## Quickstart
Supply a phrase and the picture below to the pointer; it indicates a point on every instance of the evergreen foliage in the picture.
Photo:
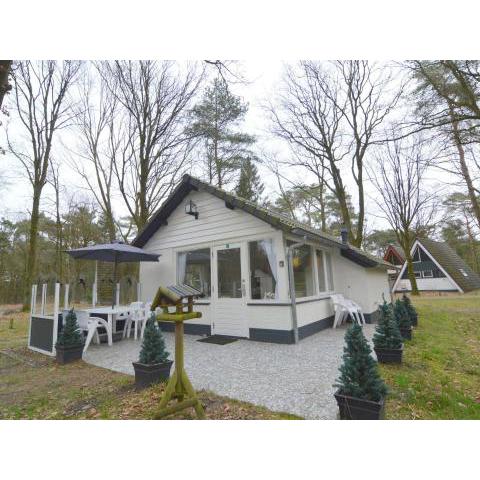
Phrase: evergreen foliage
(153, 345)
(216, 120)
(387, 334)
(249, 184)
(70, 334)
(359, 375)
(401, 315)
(410, 309)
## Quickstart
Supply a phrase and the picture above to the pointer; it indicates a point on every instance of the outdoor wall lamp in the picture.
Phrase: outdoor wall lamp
(191, 209)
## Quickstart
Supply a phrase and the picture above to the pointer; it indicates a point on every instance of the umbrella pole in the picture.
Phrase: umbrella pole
(114, 295)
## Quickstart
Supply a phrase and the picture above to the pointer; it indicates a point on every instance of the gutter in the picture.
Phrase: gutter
(291, 286)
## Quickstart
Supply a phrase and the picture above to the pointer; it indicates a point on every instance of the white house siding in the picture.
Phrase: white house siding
(310, 312)
(362, 285)
(428, 284)
(217, 225)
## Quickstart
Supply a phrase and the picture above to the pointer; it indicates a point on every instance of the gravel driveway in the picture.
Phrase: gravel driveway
(289, 378)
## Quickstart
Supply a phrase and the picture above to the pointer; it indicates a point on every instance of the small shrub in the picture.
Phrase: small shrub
(70, 334)
(401, 315)
(410, 309)
(387, 334)
(359, 375)
(153, 345)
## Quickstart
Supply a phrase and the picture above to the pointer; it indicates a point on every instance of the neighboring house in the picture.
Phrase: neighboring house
(438, 268)
(394, 255)
(235, 252)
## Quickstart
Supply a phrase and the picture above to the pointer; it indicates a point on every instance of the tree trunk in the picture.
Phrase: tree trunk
(464, 167)
(411, 273)
(31, 268)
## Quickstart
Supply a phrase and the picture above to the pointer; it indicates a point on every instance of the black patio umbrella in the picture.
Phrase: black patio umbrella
(116, 252)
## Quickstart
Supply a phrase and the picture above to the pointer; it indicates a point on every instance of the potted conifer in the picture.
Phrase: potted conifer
(403, 319)
(361, 391)
(69, 346)
(387, 339)
(407, 303)
(153, 365)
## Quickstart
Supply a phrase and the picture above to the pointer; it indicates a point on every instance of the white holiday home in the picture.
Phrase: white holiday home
(235, 252)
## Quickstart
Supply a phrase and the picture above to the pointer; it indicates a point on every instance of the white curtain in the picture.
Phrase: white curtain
(181, 266)
(267, 246)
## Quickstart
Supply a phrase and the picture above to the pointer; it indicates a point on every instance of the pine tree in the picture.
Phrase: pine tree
(153, 345)
(401, 315)
(216, 120)
(359, 375)
(70, 334)
(387, 334)
(249, 184)
(410, 309)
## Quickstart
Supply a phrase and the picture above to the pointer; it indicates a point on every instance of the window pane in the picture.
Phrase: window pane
(303, 271)
(229, 273)
(263, 269)
(328, 261)
(193, 268)
(322, 285)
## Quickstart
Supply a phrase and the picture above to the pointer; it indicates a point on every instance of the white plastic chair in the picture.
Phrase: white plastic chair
(147, 314)
(90, 324)
(137, 317)
(344, 308)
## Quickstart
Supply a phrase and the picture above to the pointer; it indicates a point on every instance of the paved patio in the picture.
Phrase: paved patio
(289, 378)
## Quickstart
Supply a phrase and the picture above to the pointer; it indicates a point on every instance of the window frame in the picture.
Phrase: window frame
(177, 251)
(328, 281)
(249, 296)
(427, 276)
(314, 270)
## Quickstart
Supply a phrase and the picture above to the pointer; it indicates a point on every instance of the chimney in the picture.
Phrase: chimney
(344, 235)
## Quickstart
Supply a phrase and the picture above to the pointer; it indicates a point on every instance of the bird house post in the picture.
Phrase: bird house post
(179, 386)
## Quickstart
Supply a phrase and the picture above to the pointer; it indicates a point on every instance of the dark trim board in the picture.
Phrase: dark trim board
(286, 336)
(190, 328)
(269, 335)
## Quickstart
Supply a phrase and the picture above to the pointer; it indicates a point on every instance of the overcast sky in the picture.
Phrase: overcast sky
(263, 79)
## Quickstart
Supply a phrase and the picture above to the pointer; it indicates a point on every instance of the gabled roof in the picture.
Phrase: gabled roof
(453, 264)
(397, 250)
(277, 220)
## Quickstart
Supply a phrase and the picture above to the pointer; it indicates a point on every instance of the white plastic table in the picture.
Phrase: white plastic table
(111, 312)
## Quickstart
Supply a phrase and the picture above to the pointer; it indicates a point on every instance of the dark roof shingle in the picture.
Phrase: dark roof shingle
(453, 264)
(275, 219)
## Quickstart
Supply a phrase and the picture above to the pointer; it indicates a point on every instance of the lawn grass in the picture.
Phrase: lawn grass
(439, 377)
(440, 374)
(34, 386)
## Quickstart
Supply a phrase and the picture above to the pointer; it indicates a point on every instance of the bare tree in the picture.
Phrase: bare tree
(154, 98)
(398, 175)
(448, 102)
(53, 178)
(43, 108)
(332, 112)
(100, 144)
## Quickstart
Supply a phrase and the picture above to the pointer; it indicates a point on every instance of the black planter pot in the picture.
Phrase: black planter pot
(389, 355)
(146, 375)
(414, 320)
(69, 353)
(406, 333)
(352, 408)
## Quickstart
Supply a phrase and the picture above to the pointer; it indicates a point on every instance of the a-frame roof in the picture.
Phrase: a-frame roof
(453, 264)
(396, 250)
(275, 219)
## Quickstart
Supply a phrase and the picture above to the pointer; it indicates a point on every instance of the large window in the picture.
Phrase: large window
(193, 268)
(263, 270)
(322, 274)
(324, 271)
(302, 261)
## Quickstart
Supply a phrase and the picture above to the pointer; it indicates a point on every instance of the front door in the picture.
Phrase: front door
(229, 292)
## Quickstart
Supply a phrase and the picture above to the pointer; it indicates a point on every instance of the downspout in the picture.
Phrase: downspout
(291, 286)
